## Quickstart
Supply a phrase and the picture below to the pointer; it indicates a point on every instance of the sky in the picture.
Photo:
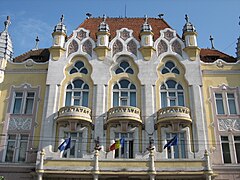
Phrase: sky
(31, 18)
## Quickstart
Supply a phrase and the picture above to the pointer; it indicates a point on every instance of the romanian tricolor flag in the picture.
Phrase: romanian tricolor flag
(118, 144)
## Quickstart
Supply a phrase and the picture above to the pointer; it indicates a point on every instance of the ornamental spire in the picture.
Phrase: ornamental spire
(7, 23)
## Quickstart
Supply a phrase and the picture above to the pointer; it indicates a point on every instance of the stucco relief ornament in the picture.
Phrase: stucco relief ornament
(20, 123)
(168, 35)
(117, 47)
(162, 47)
(219, 64)
(229, 124)
(81, 35)
(87, 47)
(132, 47)
(176, 47)
(73, 47)
(124, 34)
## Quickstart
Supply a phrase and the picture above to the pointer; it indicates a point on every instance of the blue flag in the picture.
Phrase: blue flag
(65, 144)
(122, 140)
(172, 142)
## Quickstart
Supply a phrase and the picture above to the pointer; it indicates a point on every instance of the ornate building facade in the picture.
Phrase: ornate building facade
(134, 79)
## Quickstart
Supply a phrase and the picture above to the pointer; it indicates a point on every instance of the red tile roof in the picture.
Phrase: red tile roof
(134, 24)
(211, 55)
(40, 55)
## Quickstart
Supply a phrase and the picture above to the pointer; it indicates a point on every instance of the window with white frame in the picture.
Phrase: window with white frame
(179, 150)
(77, 93)
(127, 150)
(124, 94)
(172, 94)
(225, 103)
(170, 67)
(23, 102)
(230, 149)
(79, 67)
(75, 145)
(16, 150)
(124, 67)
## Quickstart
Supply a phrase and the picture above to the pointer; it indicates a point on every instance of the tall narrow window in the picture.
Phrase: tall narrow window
(127, 150)
(124, 94)
(179, 150)
(237, 147)
(172, 94)
(23, 102)
(231, 103)
(77, 94)
(76, 143)
(219, 103)
(225, 149)
(16, 148)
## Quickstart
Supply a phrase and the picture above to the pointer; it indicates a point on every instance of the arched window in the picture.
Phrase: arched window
(77, 93)
(78, 68)
(170, 68)
(124, 94)
(124, 67)
(172, 94)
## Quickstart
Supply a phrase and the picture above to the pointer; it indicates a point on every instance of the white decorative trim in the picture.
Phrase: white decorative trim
(20, 123)
(229, 124)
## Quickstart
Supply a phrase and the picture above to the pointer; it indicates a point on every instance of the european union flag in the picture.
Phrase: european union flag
(65, 144)
(172, 142)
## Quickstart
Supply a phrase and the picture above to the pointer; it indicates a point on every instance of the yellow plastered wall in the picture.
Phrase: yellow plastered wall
(17, 75)
(225, 75)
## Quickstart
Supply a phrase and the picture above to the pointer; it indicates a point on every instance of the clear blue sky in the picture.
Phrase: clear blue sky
(30, 18)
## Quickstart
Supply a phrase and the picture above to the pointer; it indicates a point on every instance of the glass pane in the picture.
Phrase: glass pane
(73, 70)
(69, 86)
(77, 94)
(76, 102)
(130, 71)
(226, 153)
(79, 64)
(132, 86)
(169, 64)
(163, 99)
(19, 94)
(180, 99)
(176, 151)
(115, 99)
(115, 86)
(236, 138)
(78, 83)
(124, 94)
(172, 103)
(124, 83)
(130, 149)
(29, 106)
(10, 151)
(220, 108)
(84, 71)
(30, 94)
(133, 99)
(17, 106)
(124, 102)
(118, 71)
(68, 98)
(72, 148)
(163, 87)
(171, 83)
(85, 86)
(175, 71)
(85, 99)
(237, 148)
(165, 71)
(232, 106)
(224, 138)
(124, 64)
(22, 151)
(179, 87)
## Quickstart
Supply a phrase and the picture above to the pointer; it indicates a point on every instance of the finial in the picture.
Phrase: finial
(160, 16)
(7, 23)
(37, 42)
(104, 18)
(88, 15)
(62, 18)
(186, 18)
(146, 18)
(239, 21)
(212, 44)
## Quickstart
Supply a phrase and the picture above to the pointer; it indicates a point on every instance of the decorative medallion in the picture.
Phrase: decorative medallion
(124, 34)
(229, 124)
(117, 47)
(162, 47)
(176, 47)
(168, 35)
(132, 47)
(87, 47)
(73, 47)
(81, 35)
(19, 123)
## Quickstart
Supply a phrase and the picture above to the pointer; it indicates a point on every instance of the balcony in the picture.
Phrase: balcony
(72, 113)
(124, 113)
(174, 114)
